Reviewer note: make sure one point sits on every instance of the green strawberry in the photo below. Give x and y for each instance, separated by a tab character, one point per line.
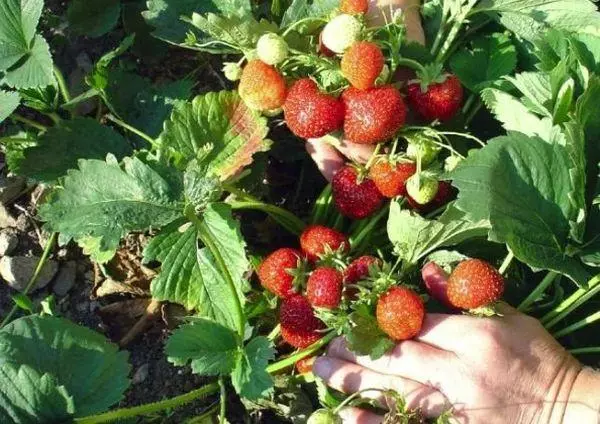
424	147
324	416
422	188
341	32
272	49
233	71
451	163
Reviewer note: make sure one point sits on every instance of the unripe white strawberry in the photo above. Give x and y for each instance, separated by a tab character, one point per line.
272	49
422	189
341	32
423	147
451	163
232	71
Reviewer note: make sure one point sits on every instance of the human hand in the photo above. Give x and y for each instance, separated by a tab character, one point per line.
330	158
504	369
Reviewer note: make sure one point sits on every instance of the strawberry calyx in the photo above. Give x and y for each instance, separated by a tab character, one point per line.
487	311
300	273
429	74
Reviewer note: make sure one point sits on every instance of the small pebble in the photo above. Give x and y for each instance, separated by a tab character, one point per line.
65	279
16	271
8	241
141	374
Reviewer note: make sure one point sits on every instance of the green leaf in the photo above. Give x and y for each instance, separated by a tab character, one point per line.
101	202
142	105
165	15
522	186
515	116
35	70
9	101
304	9
529	19
71	361
29	397
189	275
43	99
366	338
212	348
93	17
488	58
537	91
414	237
60	148
18	21
575	146
218	119
250	377
241	32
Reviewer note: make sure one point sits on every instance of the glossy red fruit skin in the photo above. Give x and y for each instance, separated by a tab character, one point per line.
359	268
390	179
324	288
305	366
474	283
352	199
374	115
262	87
315	238
441	101
445	194
354	7
299	325
310	113
362	64
400	313
273	271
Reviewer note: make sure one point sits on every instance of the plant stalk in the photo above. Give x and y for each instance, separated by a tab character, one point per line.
62	85
506	263
287	219
322	203
223	398
134	130
570	304
27	121
292	359
538	291
578	325
585	350
34	277
364	232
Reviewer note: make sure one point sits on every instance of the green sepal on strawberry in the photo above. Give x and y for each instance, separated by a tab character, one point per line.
435	95
355	195
282	271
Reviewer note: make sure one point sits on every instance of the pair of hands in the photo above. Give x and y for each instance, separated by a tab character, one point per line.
504	369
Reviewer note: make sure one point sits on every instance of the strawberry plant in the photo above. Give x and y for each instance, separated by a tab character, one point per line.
484	164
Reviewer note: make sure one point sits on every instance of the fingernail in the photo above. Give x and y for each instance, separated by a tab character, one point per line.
322	367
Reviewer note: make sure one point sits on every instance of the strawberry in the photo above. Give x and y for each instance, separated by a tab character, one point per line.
262	87
304	366
421	146
276	271
400	312
310	113
474	283
422	189
373	115
390	178
232	71
440	100
354	7
324	288
444	194
322	48
317	240
355	197
359	269
299	325
341	32
272	49
362	64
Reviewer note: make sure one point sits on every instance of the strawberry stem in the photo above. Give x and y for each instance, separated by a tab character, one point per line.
506	263
321	206
292	359
538	291
26	121
412	64
223	399
373	156
571	303
134	130
577	325
355	242
585	350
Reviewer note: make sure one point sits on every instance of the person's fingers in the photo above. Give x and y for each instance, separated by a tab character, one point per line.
448	332
436	281
382	11
327	158
409	359
349	377
359	416
360	153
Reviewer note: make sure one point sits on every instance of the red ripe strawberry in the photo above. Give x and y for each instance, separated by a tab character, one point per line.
354	198
299	325
354	7
324	288
359	269
317	239
373	115
262	87
274	272
310	113
400	313
362	64
474	283
304	366
440	100
444	194
390	178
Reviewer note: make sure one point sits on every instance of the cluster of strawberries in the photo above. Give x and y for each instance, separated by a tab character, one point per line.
370	111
